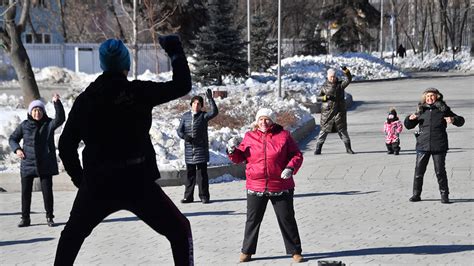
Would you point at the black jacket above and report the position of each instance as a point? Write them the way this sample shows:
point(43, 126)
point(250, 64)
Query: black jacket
point(38, 144)
point(432, 134)
point(195, 126)
point(113, 117)
point(333, 112)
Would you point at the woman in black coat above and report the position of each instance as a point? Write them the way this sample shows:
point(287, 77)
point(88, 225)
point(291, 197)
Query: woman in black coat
point(432, 117)
point(38, 155)
point(193, 129)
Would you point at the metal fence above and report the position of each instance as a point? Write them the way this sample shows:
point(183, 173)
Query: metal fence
point(84, 57)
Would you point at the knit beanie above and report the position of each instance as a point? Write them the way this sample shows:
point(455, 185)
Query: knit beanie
point(266, 112)
point(114, 56)
point(34, 104)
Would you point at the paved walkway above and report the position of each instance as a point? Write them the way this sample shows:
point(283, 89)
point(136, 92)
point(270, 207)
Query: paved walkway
point(351, 208)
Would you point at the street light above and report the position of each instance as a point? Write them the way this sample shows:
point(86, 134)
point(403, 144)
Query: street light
point(279, 48)
point(248, 37)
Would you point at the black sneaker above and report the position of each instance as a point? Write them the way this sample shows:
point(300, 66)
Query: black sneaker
point(205, 201)
point(24, 222)
point(50, 222)
point(415, 198)
point(187, 200)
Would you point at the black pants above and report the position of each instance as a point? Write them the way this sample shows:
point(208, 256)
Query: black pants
point(202, 180)
point(393, 147)
point(154, 208)
point(46, 189)
point(285, 213)
point(439, 160)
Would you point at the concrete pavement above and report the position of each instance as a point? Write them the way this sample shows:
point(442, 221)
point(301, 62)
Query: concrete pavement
point(350, 208)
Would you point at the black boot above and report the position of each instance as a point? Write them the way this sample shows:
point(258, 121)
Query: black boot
point(445, 198)
point(348, 148)
point(389, 148)
point(50, 221)
point(319, 147)
point(24, 222)
point(417, 186)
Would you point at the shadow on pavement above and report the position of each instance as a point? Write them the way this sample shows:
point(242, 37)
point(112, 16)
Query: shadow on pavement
point(344, 193)
point(354, 105)
point(451, 200)
point(225, 200)
point(29, 241)
point(213, 213)
point(419, 250)
point(15, 213)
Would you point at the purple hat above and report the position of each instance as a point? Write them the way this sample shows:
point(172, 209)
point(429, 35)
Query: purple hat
point(34, 104)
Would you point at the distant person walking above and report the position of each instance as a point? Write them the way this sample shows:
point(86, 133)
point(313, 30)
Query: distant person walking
point(193, 129)
point(272, 158)
point(401, 51)
point(333, 109)
point(432, 117)
point(38, 156)
point(392, 128)
point(113, 119)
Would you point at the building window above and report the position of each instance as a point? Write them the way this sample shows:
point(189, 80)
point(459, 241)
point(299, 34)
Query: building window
point(38, 38)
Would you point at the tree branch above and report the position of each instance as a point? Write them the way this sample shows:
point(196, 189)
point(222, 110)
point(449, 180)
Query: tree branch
point(25, 11)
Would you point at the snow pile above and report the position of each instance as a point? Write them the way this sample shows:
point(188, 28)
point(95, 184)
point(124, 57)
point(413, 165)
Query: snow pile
point(301, 79)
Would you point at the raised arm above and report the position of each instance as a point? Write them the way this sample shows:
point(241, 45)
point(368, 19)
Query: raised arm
point(348, 78)
point(60, 117)
point(214, 111)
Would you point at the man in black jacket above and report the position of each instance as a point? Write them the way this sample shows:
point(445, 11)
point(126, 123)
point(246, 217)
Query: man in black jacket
point(113, 118)
point(432, 117)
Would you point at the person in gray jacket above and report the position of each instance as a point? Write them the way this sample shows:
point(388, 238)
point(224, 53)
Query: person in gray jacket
point(193, 129)
point(333, 109)
point(38, 155)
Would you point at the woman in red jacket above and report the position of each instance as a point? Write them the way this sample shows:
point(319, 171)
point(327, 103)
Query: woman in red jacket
point(272, 158)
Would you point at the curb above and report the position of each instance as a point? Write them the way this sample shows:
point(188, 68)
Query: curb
point(11, 181)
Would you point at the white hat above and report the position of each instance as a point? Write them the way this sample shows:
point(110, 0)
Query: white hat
point(331, 72)
point(266, 112)
point(36, 103)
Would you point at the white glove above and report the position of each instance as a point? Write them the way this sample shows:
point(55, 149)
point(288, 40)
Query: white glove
point(232, 143)
point(287, 173)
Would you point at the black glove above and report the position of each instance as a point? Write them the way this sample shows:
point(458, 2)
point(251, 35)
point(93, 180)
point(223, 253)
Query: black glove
point(171, 44)
point(188, 138)
point(330, 98)
point(209, 94)
point(344, 68)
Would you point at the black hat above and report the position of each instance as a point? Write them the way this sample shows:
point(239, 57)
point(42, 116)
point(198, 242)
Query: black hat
point(199, 98)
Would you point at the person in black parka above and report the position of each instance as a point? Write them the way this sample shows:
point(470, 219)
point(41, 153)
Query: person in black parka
point(333, 109)
point(112, 117)
point(193, 129)
point(432, 117)
point(38, 155)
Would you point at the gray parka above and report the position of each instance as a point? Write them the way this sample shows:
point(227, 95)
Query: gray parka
point(333, 112)
point(195, 126)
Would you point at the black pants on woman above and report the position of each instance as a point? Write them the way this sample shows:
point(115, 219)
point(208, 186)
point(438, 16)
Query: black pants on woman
point(202, 180)
point(285, 213)
point(439, 160)
point(150, 204)
point(47, 190)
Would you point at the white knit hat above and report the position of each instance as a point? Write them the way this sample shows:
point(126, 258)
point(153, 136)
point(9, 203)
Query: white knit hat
point(266, 112)
point(36, 103)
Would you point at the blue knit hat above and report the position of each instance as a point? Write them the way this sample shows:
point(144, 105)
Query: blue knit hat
point(114, 56)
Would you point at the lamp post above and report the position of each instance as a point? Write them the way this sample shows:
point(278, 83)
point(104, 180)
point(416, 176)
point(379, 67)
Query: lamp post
point(248, 37)
point(381, 29)
point(279, 48)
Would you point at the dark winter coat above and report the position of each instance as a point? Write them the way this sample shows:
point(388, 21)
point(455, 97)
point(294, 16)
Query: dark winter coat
point(267, 154)
point(333, 112)
point(195, 126)
point(38, 144)
point(113, 117)
point(432, 134)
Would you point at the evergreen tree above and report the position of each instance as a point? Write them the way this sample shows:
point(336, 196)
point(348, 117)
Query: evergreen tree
point(264, 52)
point(219, 50)
point(352, 18)
point(312, 42)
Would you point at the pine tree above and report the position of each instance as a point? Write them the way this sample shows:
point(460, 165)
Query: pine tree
point(352, 18)
point(263, 50)
point(219, 50)
point(312, 43)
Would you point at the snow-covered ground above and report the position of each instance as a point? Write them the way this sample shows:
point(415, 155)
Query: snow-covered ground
point(301, 78)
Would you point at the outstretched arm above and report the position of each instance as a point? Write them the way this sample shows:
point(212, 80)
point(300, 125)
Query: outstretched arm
point(214, 111)
point(348, 78)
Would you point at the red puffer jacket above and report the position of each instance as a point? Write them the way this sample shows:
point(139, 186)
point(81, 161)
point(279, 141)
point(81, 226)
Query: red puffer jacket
point(267, 155)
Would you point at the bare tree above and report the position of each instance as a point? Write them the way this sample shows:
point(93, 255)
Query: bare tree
point(454, 17)
point(10, 34)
